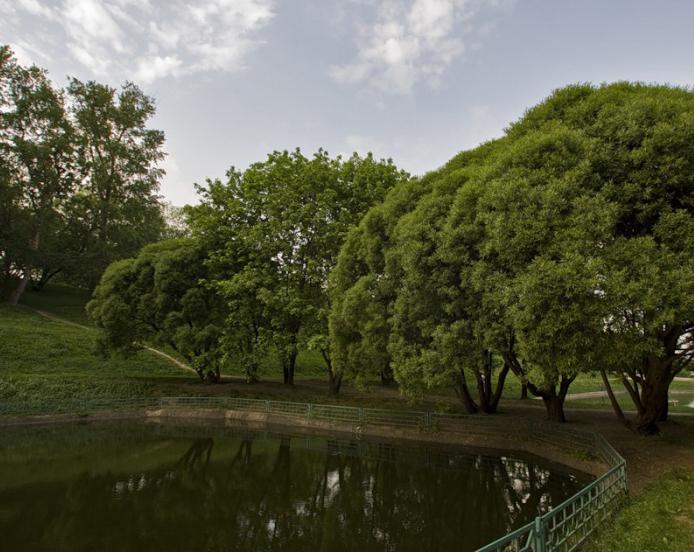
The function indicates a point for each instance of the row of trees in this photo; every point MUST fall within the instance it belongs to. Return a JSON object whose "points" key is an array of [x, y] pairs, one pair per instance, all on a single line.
{"points": [[252, 281], [564, 247], [78, 177]]}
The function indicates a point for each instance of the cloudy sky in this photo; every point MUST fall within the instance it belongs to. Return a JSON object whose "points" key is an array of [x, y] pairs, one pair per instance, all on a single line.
{"points": [[413, 80]]}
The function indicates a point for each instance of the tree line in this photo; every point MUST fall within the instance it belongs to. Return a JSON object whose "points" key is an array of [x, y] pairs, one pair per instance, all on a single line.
{"points": [[79, 177], [564, 247]]}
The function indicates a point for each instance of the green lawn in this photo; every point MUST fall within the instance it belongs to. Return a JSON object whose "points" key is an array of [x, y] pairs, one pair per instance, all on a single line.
{"points": [[41, 358], [63, 301], [661, 518]]}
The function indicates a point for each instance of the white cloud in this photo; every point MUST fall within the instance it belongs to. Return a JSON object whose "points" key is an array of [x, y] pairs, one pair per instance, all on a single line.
{"points": [[152, 68], [27, 54], [409, 41], [148, 41]]}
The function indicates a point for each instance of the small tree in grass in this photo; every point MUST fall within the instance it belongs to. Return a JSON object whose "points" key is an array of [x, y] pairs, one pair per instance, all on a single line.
{"points": [[160, 297]]}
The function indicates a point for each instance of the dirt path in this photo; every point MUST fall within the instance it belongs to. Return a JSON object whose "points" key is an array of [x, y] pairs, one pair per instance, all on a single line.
{"points": [[601, 394], [162, 354]]}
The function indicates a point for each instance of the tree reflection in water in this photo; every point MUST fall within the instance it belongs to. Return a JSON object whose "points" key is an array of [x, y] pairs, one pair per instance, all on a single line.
{"points": [[256, 492]]}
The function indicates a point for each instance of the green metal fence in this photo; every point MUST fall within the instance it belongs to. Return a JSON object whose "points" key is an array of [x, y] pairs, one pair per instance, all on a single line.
{"points": [[563, 529]]}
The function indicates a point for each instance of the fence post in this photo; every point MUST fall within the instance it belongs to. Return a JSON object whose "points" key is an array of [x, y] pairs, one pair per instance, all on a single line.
{"points": [[361, 416], [309, 410], [539, 543], [267, 406]]}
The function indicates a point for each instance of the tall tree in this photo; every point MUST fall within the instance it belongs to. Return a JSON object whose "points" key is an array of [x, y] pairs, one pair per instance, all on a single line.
{"points": [[286, 218], [118, 154], [642, 150], [36, 141]]}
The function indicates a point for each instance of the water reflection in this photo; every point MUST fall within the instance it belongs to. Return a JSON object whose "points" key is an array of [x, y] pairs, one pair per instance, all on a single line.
{"points": [[253, 492]]}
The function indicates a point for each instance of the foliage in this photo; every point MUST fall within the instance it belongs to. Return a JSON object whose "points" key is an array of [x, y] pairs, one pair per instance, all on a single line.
{"points": [[78, 176], [36, 168], [545, 248], [158, 296], [274, 232], [116, 210]]}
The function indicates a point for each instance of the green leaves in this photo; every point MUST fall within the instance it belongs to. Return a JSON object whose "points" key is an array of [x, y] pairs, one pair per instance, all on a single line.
{"points": [[564, 246], [274, 232]]}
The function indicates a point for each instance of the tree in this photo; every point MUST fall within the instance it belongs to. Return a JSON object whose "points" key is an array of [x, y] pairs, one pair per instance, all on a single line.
{"points": [[36, 141], [642, 148], [545, 255], [116, 210], [281, 222], [160, 296], [362, 289], [78, 176], [443, 331]]}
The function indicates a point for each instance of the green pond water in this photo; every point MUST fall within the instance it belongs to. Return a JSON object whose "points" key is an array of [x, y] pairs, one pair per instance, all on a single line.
{"points": [[151, 488]]}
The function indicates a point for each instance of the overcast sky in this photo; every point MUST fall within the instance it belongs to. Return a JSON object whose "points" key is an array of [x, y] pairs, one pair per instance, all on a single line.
{"points": [[413, 80]]}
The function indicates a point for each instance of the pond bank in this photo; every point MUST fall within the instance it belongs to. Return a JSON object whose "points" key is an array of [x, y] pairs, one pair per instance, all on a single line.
{"points": [[499, 434]]}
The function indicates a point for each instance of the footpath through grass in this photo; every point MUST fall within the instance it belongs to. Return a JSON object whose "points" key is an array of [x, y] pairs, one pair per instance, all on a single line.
{"points": [[45, 359], [661, 518]]}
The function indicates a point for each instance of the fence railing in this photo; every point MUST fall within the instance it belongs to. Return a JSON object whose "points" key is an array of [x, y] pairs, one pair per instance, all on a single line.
{"points": [[562, 529]]}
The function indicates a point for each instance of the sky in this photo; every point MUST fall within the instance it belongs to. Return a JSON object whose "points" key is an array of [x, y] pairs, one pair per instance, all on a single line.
{"points": [[416, 81]]}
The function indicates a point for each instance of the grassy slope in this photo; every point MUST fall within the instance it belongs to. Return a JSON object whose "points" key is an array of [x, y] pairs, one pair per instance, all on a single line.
{"points": [[69, 303], [661, 518], [40, 358]]}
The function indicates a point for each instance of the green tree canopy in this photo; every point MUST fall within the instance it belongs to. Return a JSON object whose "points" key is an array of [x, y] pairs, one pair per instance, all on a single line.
{"points": [[274, 232], [564, 246], [78, 176], [160, 296]]}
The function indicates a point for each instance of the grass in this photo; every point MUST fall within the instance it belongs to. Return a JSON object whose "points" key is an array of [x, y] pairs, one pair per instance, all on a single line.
{"points": [[41, 358], [661, 518], [62, 301]]}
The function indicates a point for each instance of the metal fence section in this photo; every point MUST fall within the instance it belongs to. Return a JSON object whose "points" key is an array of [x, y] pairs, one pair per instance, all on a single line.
{"points": [[562, 529]]}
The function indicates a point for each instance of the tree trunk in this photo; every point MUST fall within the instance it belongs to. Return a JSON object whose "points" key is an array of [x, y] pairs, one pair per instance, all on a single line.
{"points": [[464, 395], [334, 379], [654, 395], [288, 368], [386, 376], [46, 275], [19, 290], [524, 391], [500, 382], [613, 400], [553, 401], [335, 383], [664, 410], [555, 408]]}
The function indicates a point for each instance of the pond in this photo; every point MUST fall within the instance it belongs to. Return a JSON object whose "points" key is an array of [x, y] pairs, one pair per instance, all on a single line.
{"points": [[149, 488]]}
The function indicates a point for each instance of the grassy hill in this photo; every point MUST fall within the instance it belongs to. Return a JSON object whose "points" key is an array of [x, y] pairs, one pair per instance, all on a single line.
{"points": [[42, 358]]}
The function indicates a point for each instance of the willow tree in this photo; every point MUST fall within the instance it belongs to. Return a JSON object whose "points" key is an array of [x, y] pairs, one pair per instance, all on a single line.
{"points": [[160, 296], [363, 289], [548, 254], [443, 332], [642, 149]]}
